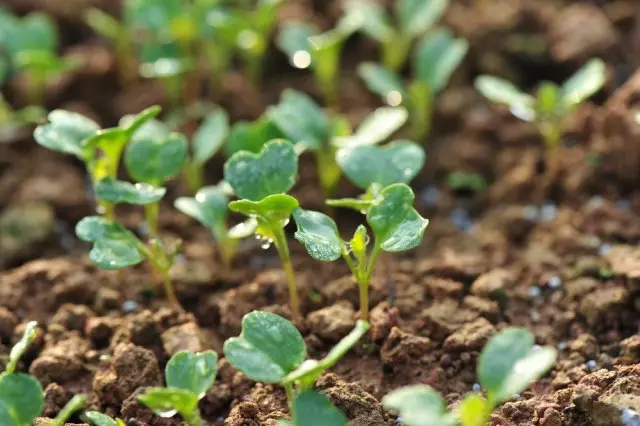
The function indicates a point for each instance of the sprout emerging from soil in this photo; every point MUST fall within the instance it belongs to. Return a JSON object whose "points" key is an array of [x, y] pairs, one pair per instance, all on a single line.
{"points": [[436, 58], [98, 419], [412, 19], [261, 181], [396, 226], [271, 350], [189, 377], [508, 364]]}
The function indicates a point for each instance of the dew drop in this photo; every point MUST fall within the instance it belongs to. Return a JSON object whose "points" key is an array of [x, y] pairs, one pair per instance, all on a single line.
{"points": [[393, 98], [166, 414], [476, 387], [266, 245], [301, 59]]}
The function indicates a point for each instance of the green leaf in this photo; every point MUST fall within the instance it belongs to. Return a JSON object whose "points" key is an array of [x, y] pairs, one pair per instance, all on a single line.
{"points": [[549, 101], [397, 162], [503, 92], [256, 176], [272, 211], [417, 16], [243, 229], [268, 348], [21, 394], [103, 150], [474, 182], [395, 223], [133, 123], [118, 191], [209, 207], [210, 136], [382, 82], [437, 57], [474, 410], [76, 403], [192, 372], [99, 419], [155, 160], [358, 204], [93, 228], [376, 127], [314, 409], [251, 136], [358, 244], [164, 401], [301, 120], [508, 364], [585, 82], [30, 333], [293, 40], [115, 247], [65, 132], [104, 24], [419, 405], [319, 235], [7, 415], [376, 21]]}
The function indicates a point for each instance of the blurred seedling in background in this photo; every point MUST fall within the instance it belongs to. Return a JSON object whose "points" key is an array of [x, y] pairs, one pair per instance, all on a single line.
{"points": [[436, 57], [14, 123], [551, 105], [507, 365], [29, 46], [396, 33], [271, 350], [312, 129], [307, 47], [98, 419], [100, 150], [251, 135], [313, 408], [189, 377], [467, 182], [396, 227], [261, 181]]}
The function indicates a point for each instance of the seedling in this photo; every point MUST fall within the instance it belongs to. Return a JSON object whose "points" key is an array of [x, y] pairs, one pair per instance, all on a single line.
{"points": [[551, 105], [436, 58], [77, 403], [396, 226], [210, 208], [312, 129], [261, 182], [464, 181], [189, 377], [307, 47], [98, 419], [507, 365], [314, 409], [14, 122], [412, 19], [270, 349]]}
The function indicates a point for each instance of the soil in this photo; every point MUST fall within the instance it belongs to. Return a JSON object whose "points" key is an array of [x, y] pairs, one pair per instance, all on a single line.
{"points": [[566, 267]]}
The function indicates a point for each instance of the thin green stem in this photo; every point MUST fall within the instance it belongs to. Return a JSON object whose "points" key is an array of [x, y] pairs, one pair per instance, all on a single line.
{"points": [[288, 388], [364, 282], [76, 403], [160, 264], [280, 241], [395, 52], [194, 176], [152, 213], [37, 86], [193, 418]]}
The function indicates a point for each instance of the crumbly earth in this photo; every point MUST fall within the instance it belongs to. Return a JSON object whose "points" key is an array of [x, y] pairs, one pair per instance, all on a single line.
{"points": [[568, 269]]}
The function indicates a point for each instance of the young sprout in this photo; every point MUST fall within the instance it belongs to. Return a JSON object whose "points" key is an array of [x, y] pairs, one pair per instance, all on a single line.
{"points": [[14, 122], [189, 377], [312, 129], [436, 58], [507, 365], [77, 403], [210, 208], [270, 349], [412, 19], [98, 419], [307, 47], [261, 182], [465, 181], [396, 227], [551, 105], [313, 408]]}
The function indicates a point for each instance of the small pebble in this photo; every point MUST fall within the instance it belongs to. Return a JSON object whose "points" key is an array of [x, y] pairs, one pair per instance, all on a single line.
{"points": [[554, 282], [534, 291], [430, 195], [604, 249], [476, 387], [548, 212], [129, 306], [591, 364]]}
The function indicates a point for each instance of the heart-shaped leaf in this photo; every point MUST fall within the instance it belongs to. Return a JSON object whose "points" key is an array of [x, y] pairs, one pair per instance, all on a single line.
{"points": [[153, 159], [99, 419], [118, 191], [256, 176], [383, 82], [503, 92], [395, 223], [376, 127], [419, 405], [301, 120], [251, 136], [209, 207], [272, 212], [210, 136], [319, 235], [509, 363], [21, 395], [165, 401], [193, 372], [438, 55], [94, 228], [268, 348], [30, 333], [65, 132], [115, 247], [417, 16], [314, 409], [398, 162], [585, 82]]}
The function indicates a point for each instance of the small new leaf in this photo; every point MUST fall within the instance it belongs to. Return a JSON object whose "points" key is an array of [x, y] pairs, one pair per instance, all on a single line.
{"points": [[21, 347], [419, 405], [438, 55], [195, 372], [209, 207], [251, 136], [163, 400], [417, 16], [210, 136], [65, 132], [376, 127], [114, 247], [118, 191], [155, 160], [99, 419], [382, 81], [585, 82], [268, 348], [503, 92], [274, 209], [319, 235]]}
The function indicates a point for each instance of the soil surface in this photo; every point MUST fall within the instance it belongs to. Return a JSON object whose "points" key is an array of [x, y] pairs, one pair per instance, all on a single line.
{"points": [[565, 266]]}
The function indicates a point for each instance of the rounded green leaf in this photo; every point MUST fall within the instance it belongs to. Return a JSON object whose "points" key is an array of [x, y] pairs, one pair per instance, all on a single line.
{"points": [[585, 82], [395, 223], [94, 228], [314, 409], [438, 55], [195, 372], [21, 347], [503, 92], [209, 207], [274, 209], [21, 394], [7, 416], [167, 401], [154, 159], [376, 22], [319, 235], [417, 16], [65, 132], [115, 254], [376, 127], [256, 176], [398, 162], [99, 419], [268, 348], [508, 364], [118, 191], [419, 405], [251, 136], [382, 82], [210, 136]]}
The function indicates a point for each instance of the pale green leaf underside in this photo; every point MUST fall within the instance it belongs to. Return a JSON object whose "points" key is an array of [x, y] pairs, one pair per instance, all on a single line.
{"points": [[195, 372], [419, 405], [319, 234], [117, 192]]}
